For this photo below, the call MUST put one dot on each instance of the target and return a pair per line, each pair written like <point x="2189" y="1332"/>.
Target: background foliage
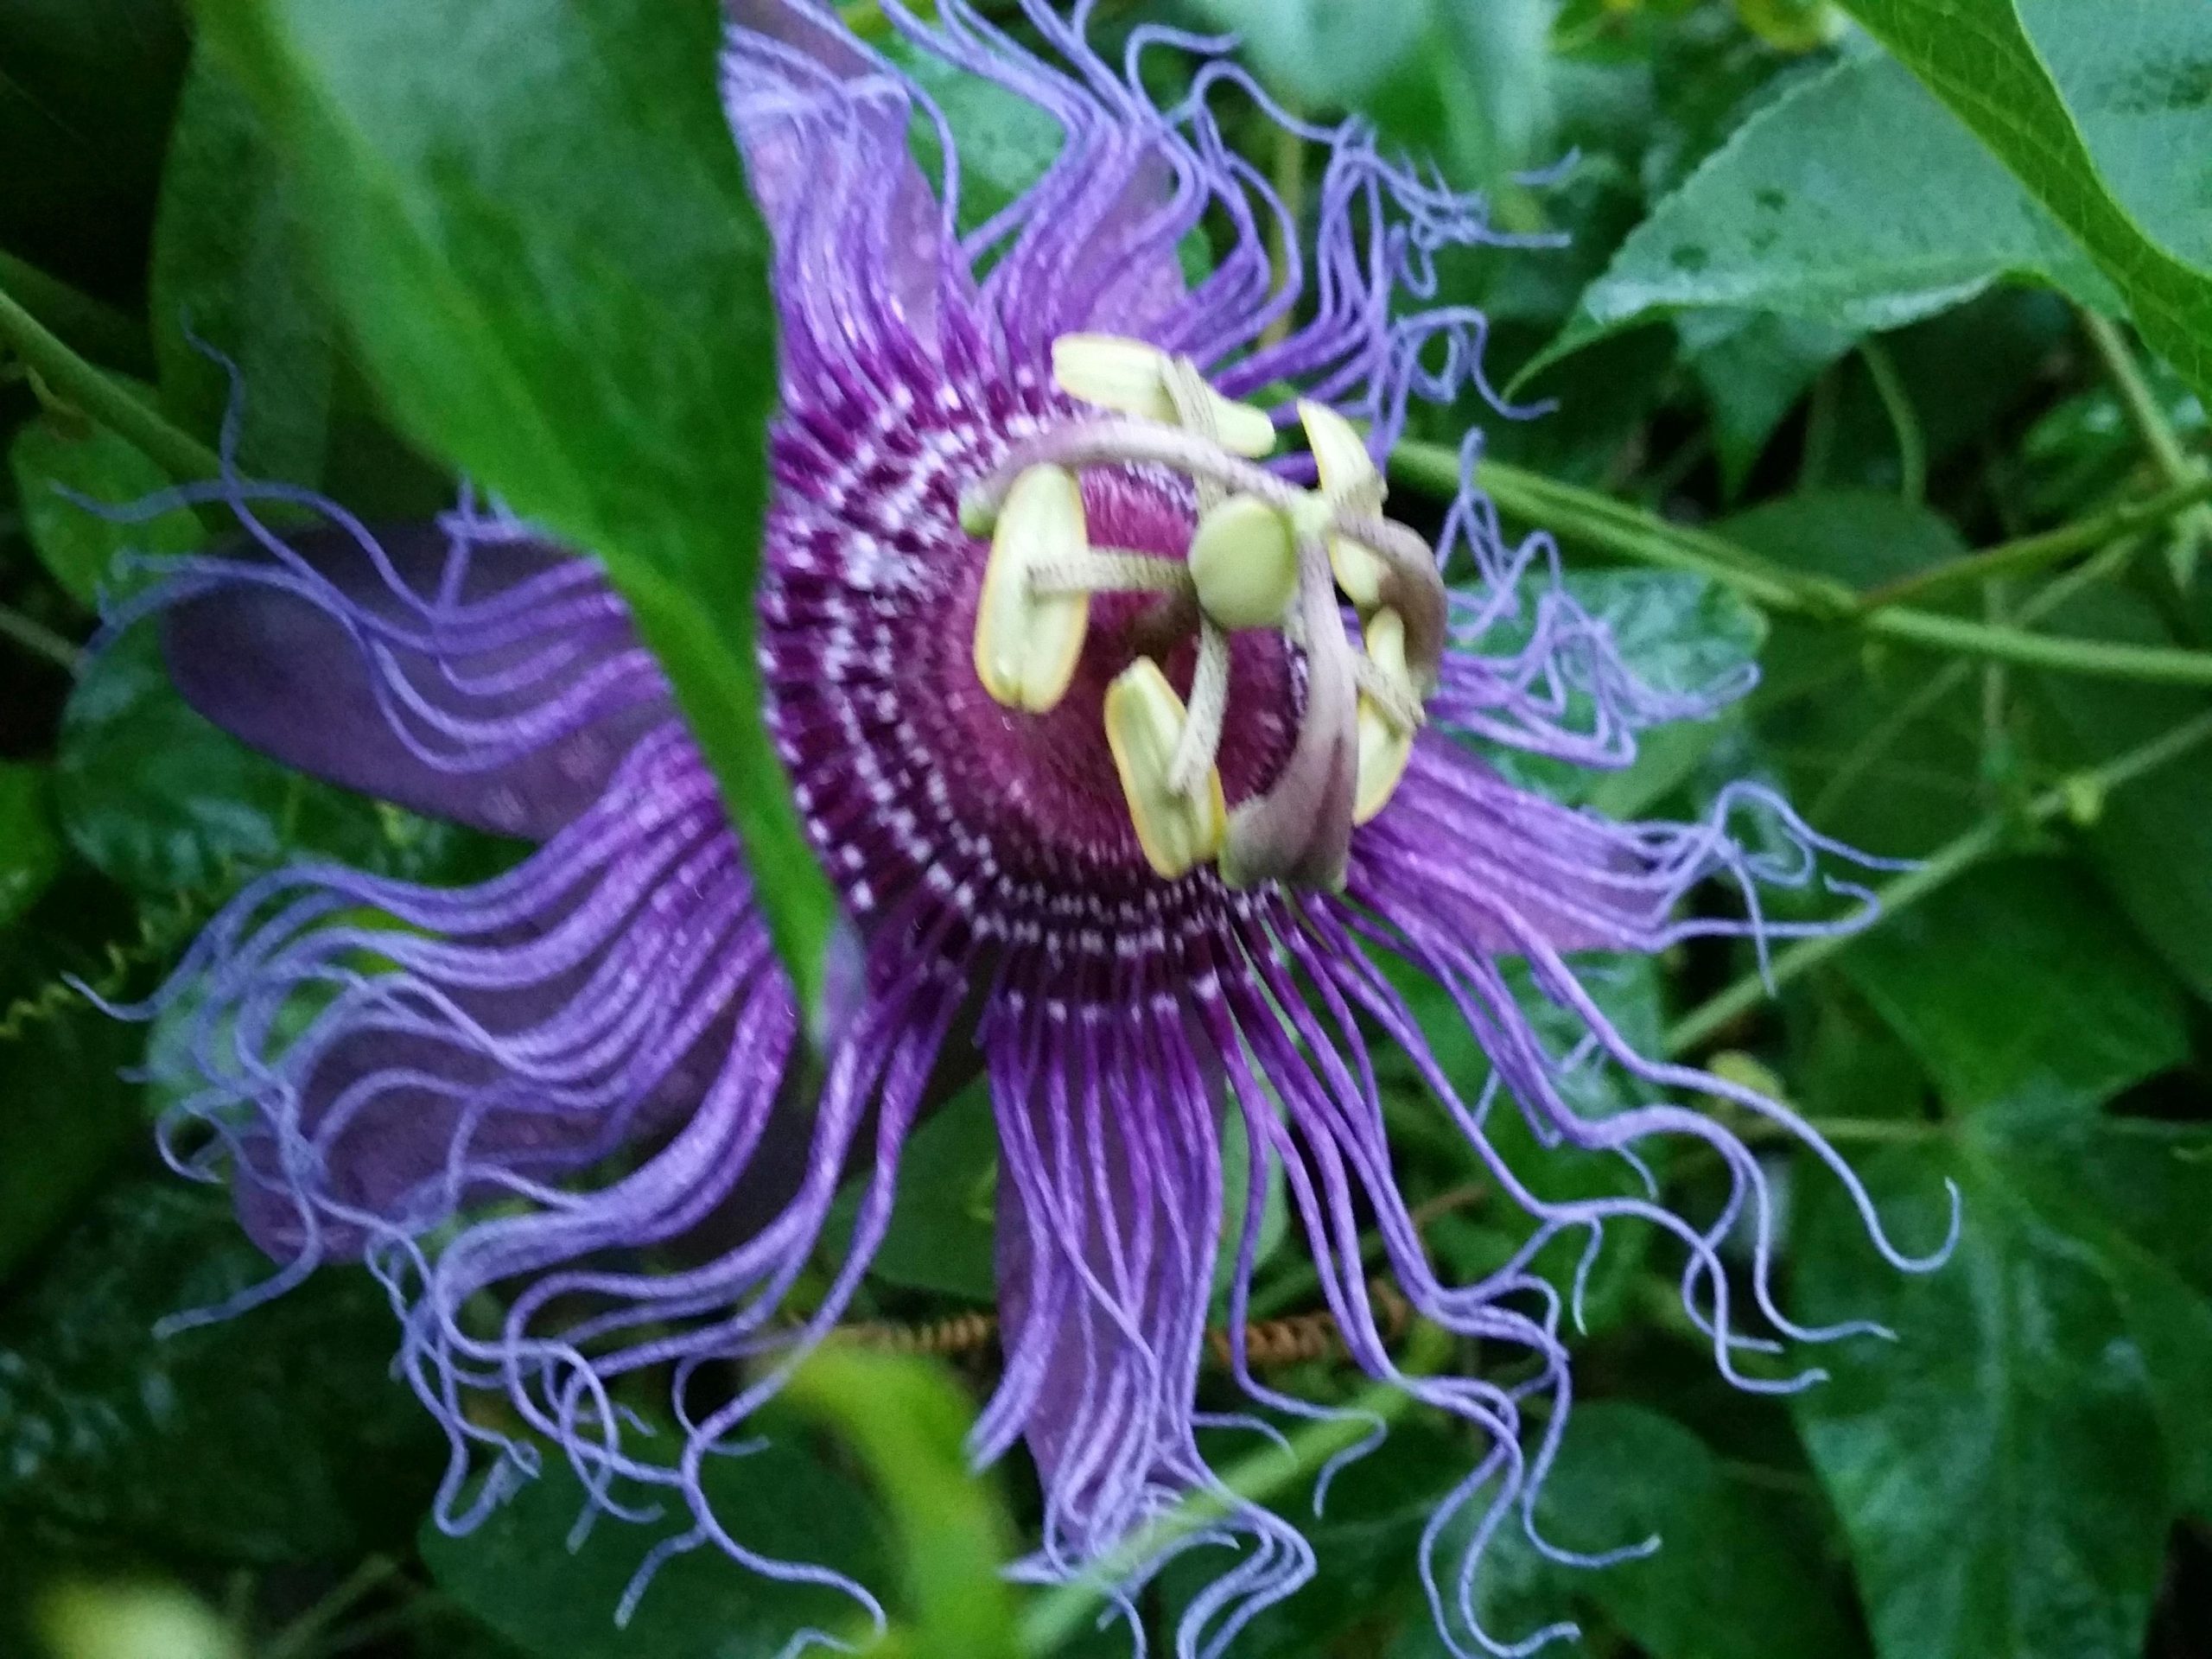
<point x="1881" y="331"/>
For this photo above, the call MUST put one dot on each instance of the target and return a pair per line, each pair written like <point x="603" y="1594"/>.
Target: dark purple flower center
<point x="1177" y="634"/>
<point x="898" y="751"/>
<point x="1050" y="777"/>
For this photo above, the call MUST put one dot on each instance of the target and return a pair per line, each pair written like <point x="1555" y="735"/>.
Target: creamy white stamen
<point x="1178" y="829"/>
<point x="1027" y="642"/>
<point x="1386" y="736"/>
<point x="1131" y="377"/>
<point x="1350" y="482"/>
<point x="1264" y="554"/>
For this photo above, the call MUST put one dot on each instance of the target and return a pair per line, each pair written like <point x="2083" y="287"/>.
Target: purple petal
<point x="406" y="1050"/>
<point x="495" y="682"/>
<point x="410" y="1102"/>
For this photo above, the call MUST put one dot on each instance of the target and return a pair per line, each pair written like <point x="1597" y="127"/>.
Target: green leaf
<point x="1964" y="372"/>
<point x="1626" y="988"/>
<point x="66" y="1114"/>
<point x="1844" y="1062"/>
<point x="1465" y="83"/>
<point x="2134" y="79"/>
<point x="1616" y="388"/>
<point x="229" y="266"/>
<point x="1753" y="367"/>
<point x="942" y="1222"/>
<point x="2083" y="450"/>
<point x="1235" y="1195"/>
<point x="2151" y="843"/>
<point x="2171" y="1324"/>
<point x="1483" y="1238"/>
<point x="554" y="270"/>
<point x="552" y="1586"/>
<point x="1739" y="1573"/>
<point x="1677" y="631"/>
<point x="122" y="1620"/>
<point x="2151" y="1181"/>
<point x="1830" y="697"/>
<point x="1999" y="1470"/>
<point x="1325" y="54"/>
<point x="161" y="800"/>
<point x="30" y="846"/>
<point x="1006" y="142"/>
<point x="943" y="1232"/>
<point x="2022" y="994"/>
<point x="1494" y="72"/>
<point x="1798" y="214"/>
<point x="1366" y="1549"/>
<point x="276" y="1436"/>
<point x="1793" y="25"/>
<point x="1858" y="537"/>
<point x="1978" y="57"/>
<point x="2083" y="1182"/>
<point x="909" y="1422"/>
<point x="75" y="542"/>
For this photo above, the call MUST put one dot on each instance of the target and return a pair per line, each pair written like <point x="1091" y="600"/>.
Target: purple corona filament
<point x="566" y="1117"/>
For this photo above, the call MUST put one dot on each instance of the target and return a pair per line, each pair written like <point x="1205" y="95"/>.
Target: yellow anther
<point x="1359" y="573"/>
<point x="1385" y="746"/>
<point x="1349" y="478"/>
<point x="1348" y="471"/>
<point x="1245" y="564"/>
<point x="1144" y="718"/>
<point x="1130" y="378"/>
<point x="1027" y="643"/>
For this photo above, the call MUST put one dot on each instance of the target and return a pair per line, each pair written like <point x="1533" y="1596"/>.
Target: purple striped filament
<point x="566" y="1115"/>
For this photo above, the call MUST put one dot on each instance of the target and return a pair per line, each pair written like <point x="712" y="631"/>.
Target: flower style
<point x="1137" y="753"/>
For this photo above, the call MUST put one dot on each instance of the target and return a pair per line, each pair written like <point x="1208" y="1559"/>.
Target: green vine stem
<point x="39" y="640"/>
<point x="1571" y="510"/>
<point x="1586" y="516"/>
<point x="1954" y="859"/>
<point x="160" y="931"/>
<point x="2175" y="464"/>
<point x="1904" y="421"/>
<point x="2026" y="554"/>
<point x="2091" y="658"/>
<point x="303" y="1636"/>
<point x="101" y="399"/>
<point x="1868" y="753"/>
<point x="93" y="327"/>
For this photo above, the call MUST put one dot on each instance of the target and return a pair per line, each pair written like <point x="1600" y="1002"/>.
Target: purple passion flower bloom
<point x="1146" y="750"/>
